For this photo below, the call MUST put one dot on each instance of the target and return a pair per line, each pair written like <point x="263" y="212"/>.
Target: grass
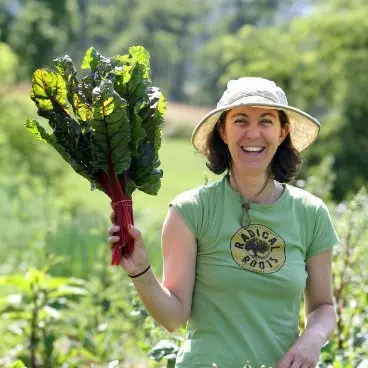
<point x="183" y="169"/>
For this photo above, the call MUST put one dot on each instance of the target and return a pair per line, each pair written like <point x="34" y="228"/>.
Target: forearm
<point x="321" y="323"/>
<point x="161" y="304"/>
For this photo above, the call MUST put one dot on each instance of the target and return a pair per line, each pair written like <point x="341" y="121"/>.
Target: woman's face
<point x="252" y="135"/>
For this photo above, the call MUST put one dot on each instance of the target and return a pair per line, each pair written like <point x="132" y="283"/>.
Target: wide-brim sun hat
<point x="263" y="93"/>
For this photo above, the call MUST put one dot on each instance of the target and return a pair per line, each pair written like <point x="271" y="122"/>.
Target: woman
<point x="239" y="253"/>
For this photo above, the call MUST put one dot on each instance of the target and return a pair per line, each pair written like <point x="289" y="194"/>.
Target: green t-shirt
<point x="249" y="280"/>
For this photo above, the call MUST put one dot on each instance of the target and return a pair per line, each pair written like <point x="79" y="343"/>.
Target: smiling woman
<point x="286" y="161"/>
<point x="238" y="254"/>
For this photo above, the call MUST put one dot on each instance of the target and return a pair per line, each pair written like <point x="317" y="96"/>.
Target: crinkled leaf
<point x="118" y="118"/>
<point x="145" y="174"/>
<point x="133" y="81"/>
<point x="91" y="59"/>
<point x="76" y="97"/>
<point x="139" y="80"/>
<point x="49" y="91"/>
<point x="111" y="129"/>
<point x="65" y="67"/>
<point x="137" y="132"/>
<point x="141" y="55"/>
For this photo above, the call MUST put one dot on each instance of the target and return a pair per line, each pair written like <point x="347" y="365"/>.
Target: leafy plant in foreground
<point x="34" y="310"/>
<point x="107" y="126"/>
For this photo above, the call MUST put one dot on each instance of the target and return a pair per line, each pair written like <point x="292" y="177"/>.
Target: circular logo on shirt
<point x="257" y="248"/>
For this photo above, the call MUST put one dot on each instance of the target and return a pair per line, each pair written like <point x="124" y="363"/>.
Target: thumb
<point x="135" y="233"/>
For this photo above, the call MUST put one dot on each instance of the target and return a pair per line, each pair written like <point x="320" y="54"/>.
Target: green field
<point x="79" y="236"/>
<point x="183" y="169"/>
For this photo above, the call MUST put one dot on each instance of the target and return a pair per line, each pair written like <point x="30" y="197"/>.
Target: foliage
<point x="33" y="311"/>
<point x="350" y="344"/>
<point x="319" y="59"/>
<point x="23" y="166"/>
<point x="39" y="29"/>
<point x="8" y="66"/>
<point x="55" y="321"/>
<point x="164" y="349"/>
<point x="223" y="23"/>
<point x="315" y="59"/>
<point x="116" y="127"/>
<point x="168" y="29"/>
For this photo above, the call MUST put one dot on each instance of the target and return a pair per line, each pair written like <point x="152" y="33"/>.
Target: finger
<point x="113" y="217"/>
<point x="297" y="363"/>
<point x="112" y="240"/>
<point x="113" y="229"/>
<point x="135" y="233"/>
<point x="285" y="362"/>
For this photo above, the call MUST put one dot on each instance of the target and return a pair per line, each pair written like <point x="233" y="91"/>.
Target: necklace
<point x="247" y="202"/>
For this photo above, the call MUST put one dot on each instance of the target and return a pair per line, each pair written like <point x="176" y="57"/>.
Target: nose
<point x="253" y="131"/>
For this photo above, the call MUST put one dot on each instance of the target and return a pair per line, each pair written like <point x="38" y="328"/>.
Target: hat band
<point x="262" y="94"/>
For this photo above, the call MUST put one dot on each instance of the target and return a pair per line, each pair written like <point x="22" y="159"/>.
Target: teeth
<point x="252" y="149"/>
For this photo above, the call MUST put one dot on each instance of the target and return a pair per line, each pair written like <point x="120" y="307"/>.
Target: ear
<point x="284" y="132"/>
<point x="221" y="130"/>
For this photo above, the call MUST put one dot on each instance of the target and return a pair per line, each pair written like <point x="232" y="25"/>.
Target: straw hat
<point x="258" y="92"/>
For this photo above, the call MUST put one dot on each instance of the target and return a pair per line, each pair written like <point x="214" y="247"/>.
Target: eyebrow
<point x="262" y="115"/>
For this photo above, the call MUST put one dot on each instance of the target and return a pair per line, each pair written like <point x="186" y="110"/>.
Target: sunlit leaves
<point x="114" y="112"/>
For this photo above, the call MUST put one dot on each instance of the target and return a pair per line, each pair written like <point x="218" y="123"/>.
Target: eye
<point x="266" y="122"/>
<point x="240" y="121"/>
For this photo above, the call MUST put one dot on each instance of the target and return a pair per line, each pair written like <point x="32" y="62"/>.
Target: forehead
<point x="252" y="111"/>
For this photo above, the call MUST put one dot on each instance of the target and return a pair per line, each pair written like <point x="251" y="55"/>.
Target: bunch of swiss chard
<point x="106" y="125"/>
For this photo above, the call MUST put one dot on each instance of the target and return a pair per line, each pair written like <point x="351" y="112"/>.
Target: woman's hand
<point x="138" y="261"/>
<point x="304" y="353"/>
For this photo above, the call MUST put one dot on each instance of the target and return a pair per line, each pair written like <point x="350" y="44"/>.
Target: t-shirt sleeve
<point x="324" y="234"/>
<point x="190" y="206"/>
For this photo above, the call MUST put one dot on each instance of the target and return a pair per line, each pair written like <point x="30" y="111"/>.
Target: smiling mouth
<point x="252" y="149"/>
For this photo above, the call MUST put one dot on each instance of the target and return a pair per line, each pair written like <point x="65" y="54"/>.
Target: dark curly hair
<point x="285" y="165"/>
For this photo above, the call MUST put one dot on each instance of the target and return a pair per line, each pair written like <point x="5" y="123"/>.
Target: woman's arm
<point x="318" y="297"/>
<point x="320" y="314"/>
<point x="169" y="302"/>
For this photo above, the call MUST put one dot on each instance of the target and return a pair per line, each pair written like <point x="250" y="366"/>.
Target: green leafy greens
<point x="106" y="125"/>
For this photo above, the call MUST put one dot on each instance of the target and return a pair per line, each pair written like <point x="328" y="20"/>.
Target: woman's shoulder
<point x="199" y="194"/>
<point x="303" y="196"/>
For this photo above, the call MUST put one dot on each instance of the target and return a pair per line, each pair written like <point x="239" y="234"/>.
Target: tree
<point x="41" y="30"/>
<point x="166" y="28"/>
<point x="320" y="61"/>
<point x="224" y="21"/>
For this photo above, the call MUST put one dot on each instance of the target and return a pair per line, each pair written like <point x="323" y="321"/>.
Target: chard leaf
<point x="91" y="59"/>
<point x="49" y="91"/>
<point x="132" y="83"/>
<point x="111" y="129"/>
<point x="118" y="118"/>
<point x="137" y="132"/>
<point x="78" y="101"/>
<point x="66" y="68"/>
<point x="79" y="167"/>
<point x="144" y="170"/>
<point x="142" y="56"/>
<point x="86" y="87"/>
<point x="139" y="80"/>
<point x="37" y="130"/>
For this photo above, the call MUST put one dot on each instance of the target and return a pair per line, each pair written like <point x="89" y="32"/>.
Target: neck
<point x="256" y="188"/>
